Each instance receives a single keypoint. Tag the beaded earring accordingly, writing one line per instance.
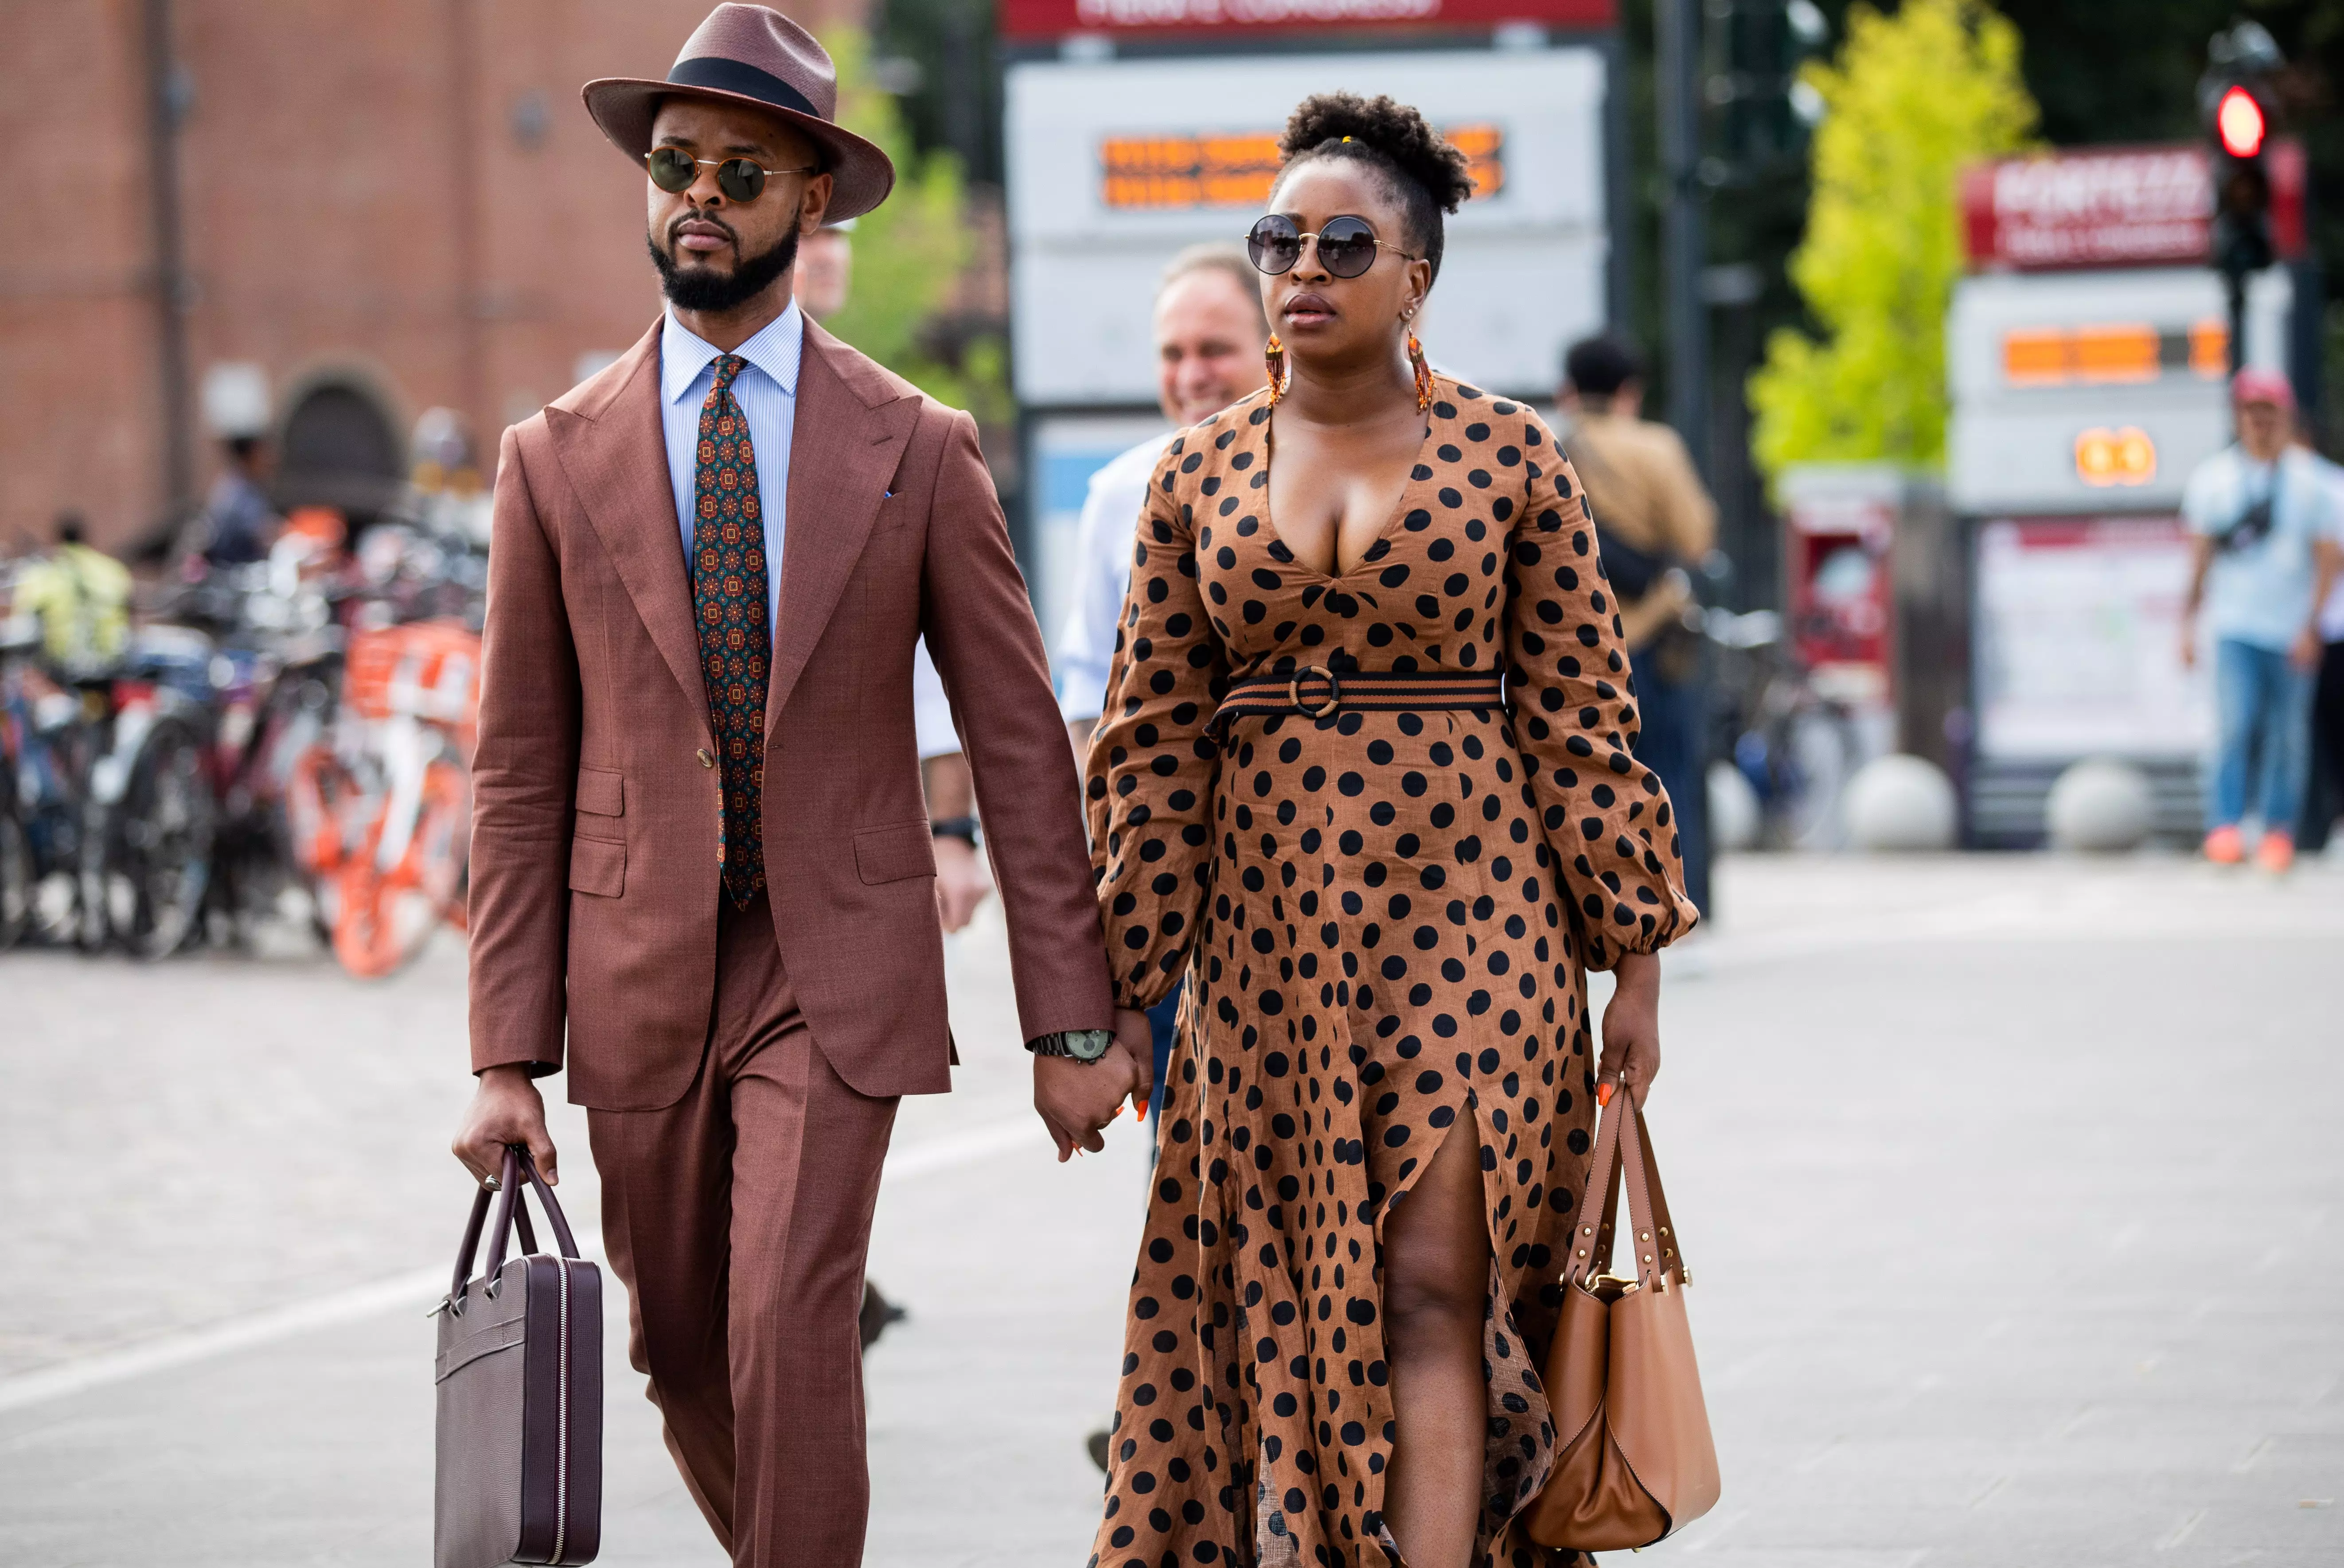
(1273, 358)
(1423, 372)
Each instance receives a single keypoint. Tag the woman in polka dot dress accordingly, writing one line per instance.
(1386, 882)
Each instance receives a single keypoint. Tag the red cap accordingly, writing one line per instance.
(2262, 387)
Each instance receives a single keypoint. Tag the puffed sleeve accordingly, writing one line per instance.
(1608, 820)
(1148, 788)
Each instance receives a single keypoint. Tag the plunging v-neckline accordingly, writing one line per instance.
(1400, 507)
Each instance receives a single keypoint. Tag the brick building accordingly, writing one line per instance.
(368, 210)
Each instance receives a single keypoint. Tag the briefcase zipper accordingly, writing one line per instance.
(562, 1411)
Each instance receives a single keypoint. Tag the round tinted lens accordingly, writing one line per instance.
(1274, 245)
(671, 169)
(740, 179)
(1346, 246)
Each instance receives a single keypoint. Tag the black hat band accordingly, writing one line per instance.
(722, 76)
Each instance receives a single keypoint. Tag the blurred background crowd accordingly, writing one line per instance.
(1951, 380)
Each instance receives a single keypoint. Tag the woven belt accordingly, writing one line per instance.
(1318, 692)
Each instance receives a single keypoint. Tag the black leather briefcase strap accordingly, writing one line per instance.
(1320, 692)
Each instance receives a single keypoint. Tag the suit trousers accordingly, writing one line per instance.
(739, 1218)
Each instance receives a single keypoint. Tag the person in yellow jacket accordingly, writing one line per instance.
(81, 595)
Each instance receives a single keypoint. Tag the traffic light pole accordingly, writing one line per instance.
(1685, 241)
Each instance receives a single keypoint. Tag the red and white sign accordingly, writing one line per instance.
(1056, 18)
(2114, 206)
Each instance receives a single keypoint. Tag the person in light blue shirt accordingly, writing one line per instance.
(1209, 335)
(2265, 532)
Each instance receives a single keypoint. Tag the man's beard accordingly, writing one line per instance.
(705, 288)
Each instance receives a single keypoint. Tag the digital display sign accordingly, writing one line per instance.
(1181, 172)
(2113, 354)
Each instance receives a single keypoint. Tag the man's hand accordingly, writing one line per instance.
(1632, 1030)
(1076, 1099)
(506, 1108)
(2308, 649)
(961, 883)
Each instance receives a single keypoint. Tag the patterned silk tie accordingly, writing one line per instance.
(727, 602)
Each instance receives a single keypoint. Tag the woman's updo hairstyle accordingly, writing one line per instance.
(1424, 174)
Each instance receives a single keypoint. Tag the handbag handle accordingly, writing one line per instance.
(1623, 1157)
(518, 1168)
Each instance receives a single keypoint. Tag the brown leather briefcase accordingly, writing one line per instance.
(521, 1393)
(1637, 1461)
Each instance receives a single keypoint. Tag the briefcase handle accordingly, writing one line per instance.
(519, 1168)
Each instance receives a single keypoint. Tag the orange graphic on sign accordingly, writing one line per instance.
(1167, 173)
(2122, 457)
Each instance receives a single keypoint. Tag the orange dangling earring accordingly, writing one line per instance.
(1273, 357)
(1423, 371)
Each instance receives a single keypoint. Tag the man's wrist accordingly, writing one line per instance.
(962, 827)
(1085, 1045)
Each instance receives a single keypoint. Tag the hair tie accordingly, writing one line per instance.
(1347, 138)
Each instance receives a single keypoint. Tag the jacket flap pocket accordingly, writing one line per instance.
(892, 854)
(598, 866)
(602, 793)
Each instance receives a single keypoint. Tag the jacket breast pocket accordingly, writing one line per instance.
(598, 867)
(892, 853)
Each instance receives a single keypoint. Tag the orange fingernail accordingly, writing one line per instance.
(1602, 1095)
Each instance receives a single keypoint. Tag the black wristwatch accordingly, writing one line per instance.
(961, 828)
(1081, 1044)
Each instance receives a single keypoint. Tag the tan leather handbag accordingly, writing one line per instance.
(1636, 1462)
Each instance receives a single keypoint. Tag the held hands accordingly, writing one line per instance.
(1076, 1100)
(505, 1109)
(1631, 1031)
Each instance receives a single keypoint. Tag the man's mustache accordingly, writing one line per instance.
(675, 229)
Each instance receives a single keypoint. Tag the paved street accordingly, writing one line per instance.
(2011, 1187)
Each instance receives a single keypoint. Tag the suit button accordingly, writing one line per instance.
(705, 760)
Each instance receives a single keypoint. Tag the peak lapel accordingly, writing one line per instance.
(843, 453)
(614, 452)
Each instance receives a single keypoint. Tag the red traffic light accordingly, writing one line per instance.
(2239, 122)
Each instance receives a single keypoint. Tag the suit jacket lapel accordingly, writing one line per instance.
(614, 449)
(850, 428)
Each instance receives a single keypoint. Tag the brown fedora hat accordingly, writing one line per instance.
(749, 54)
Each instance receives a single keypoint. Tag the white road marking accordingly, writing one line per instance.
(418, 1287)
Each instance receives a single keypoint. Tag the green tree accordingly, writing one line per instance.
(1912, 99)
(909, 252)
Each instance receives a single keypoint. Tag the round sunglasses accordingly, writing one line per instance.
(673, 169)
(1346, 246)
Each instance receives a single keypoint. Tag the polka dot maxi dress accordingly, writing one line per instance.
(1386, 918)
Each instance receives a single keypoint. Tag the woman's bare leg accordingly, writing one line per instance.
(1436, 1283)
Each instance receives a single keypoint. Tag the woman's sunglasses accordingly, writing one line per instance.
(673, 169)
(1346, 246)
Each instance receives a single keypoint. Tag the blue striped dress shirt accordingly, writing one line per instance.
(767, 391)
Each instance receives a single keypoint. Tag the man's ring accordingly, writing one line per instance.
(493, 1183)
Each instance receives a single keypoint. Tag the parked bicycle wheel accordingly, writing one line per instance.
(385, 915)
(157, 845)
(16, 880)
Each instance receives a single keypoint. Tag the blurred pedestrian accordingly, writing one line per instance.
(80, 596)
(1654, 521)
(1383, 878)
(826, 269)
(951, 790)
(239, 521)
(672, 643)
(2323, 780)
(2264, 556)
(1209, 333)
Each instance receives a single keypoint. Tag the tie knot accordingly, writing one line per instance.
(728, 365)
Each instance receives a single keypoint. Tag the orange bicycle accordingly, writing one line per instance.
(381, 815)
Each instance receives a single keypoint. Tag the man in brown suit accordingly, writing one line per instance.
(701, 862)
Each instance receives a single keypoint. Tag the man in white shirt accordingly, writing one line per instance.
(2265, 530)
(1209, 337)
